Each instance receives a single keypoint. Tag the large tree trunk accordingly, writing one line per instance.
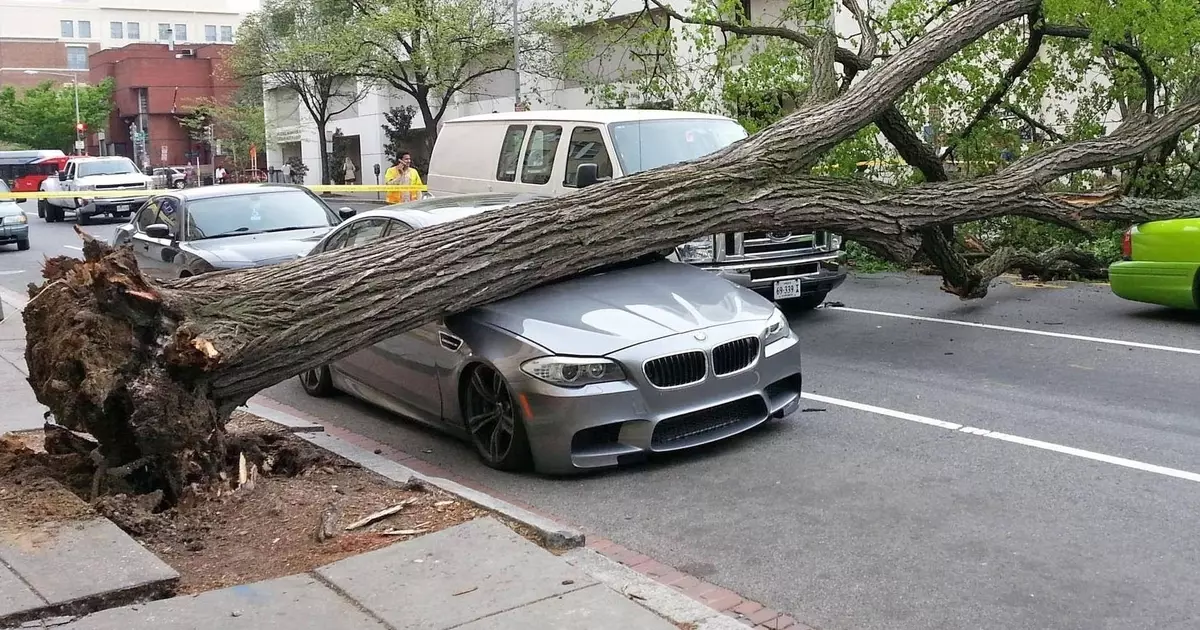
(154, 370)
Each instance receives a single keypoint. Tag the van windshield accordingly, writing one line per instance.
(647, 144)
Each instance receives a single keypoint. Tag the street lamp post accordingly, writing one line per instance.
(75, 83)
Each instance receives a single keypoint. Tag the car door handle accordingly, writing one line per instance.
(449, 342)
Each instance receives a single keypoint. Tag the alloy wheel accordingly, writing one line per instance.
(491, 414)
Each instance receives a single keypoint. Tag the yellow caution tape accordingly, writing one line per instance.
(138, 193)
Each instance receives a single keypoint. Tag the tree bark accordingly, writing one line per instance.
(153, 370)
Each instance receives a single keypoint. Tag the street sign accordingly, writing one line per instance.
(162, 154)
(79, 145)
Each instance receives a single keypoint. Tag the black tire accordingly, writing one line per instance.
(494, 421)
(179, 184)
(23, 245)
(81, 218)
(58, 213)
(804, 302)
(318, 382)
(41, 206)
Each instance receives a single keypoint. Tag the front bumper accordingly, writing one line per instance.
(1167, 284)
(109, 205)
(14, 233)
(609, 424)
(817, 274)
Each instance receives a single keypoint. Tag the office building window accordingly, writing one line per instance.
(210, 33)
(226, 33)
(68, 28)
(77, 57)
(133, 30)
(116, 30)
(181, 32)
(164, 32)
(85, 28)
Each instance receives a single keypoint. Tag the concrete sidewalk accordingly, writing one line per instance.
(476, 576)
(22, 411)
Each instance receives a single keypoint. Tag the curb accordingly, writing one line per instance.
(689, 602)
(550, 534)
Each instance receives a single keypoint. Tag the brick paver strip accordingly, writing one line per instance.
(764, 615)
(747, 608)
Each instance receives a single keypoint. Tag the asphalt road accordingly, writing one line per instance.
(863, 519)
(1039, 471)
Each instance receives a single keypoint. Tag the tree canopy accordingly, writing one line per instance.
(43, 117)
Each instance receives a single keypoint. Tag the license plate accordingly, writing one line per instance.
(124, 208)
(785, 289)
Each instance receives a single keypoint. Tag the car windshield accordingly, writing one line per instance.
(4, 186)
(105, 167)
(255, 213)
(647, 144)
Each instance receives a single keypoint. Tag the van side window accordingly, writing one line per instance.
(587, 147)
(510, 151)
(539, 155)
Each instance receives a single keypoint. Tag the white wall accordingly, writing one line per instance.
(41, 19)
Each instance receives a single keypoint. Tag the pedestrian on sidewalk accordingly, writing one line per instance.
(402, 174)
(349, 170)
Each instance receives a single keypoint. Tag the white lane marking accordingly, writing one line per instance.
(1027, 331)
(78, 249)
(1015, 439)
(11, 272)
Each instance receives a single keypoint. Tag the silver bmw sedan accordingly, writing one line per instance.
(597, 370)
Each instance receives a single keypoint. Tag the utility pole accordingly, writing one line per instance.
(516, 36)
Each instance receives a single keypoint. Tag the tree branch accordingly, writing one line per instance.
(1032, 48)
(1128, 49)
(1033, 122)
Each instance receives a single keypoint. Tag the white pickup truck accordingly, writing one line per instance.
(84, 174)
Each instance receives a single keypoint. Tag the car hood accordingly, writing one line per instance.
(105, 180)
(600, 314)
(257, 249)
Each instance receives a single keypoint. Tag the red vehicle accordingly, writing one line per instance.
(24, 171)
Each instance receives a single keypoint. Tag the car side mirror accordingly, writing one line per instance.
(158, 230)
(586, 175)
(62, 176)
(346, 213)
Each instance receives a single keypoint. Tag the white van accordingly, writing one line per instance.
(524, 152)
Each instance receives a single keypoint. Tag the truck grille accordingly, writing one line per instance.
(771, 244)
(677, 369)
(120, 187)
(735, 355)
(674, 432)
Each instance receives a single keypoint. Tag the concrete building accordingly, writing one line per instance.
(154, 85)
(52, 39)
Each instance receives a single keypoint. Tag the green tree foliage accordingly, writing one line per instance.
(437, 53)
(307, 59)
(43, 117)
(402, 137)
(1075, 69)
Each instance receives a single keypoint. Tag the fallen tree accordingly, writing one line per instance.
(153, 370)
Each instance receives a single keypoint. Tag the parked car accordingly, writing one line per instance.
(14, 224)
(526, 152)
(1161, 264)
(593, 371)
(169, 177)
(196, 230)
(85, 174)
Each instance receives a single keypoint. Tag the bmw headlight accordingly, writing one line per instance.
(18, 219)
(85, 187)
(701, 250)
(777, 328)
(573, 371)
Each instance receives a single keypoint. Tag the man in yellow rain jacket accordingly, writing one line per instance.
(402, 174)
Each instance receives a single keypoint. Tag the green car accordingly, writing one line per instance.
(1162, 264)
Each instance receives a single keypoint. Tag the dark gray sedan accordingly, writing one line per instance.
(196, 230)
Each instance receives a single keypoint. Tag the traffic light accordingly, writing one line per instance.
(80, 127)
